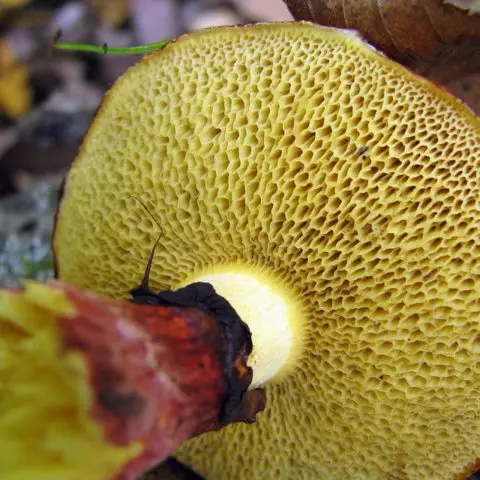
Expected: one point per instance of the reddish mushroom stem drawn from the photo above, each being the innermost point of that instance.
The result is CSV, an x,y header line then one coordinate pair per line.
x,y
159,375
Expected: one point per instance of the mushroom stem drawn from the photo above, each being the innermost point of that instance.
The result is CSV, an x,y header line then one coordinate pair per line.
x,y
117,384
270,312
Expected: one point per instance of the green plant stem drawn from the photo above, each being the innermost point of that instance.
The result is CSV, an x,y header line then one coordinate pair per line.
x,y
105,49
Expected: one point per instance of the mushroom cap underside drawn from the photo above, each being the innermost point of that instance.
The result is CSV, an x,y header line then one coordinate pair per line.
x,y
301,152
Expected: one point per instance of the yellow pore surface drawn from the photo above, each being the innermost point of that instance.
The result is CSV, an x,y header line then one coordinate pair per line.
x,y
301,151
46,432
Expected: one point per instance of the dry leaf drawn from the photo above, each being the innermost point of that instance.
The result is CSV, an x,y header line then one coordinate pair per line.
x,y
15,92
437,40
468,89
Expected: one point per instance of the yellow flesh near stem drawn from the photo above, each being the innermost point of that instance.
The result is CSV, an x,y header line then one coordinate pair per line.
x,y
300,151
272,315
46,432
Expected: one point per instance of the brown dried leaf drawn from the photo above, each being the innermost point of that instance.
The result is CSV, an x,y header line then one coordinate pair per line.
x,y
468,89
435,39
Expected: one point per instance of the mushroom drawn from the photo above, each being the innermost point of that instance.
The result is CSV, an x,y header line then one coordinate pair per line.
x,y
332,197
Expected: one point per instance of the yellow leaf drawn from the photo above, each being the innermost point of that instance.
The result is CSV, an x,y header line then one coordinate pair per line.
x,y
7,4
15,92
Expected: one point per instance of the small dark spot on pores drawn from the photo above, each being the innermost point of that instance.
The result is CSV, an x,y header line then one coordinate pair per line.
x,y
362,150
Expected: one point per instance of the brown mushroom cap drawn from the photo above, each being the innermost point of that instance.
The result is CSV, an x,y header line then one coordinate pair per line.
x,y
299,151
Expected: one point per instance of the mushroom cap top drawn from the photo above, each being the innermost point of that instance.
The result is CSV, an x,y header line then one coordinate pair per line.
x,y
301,151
